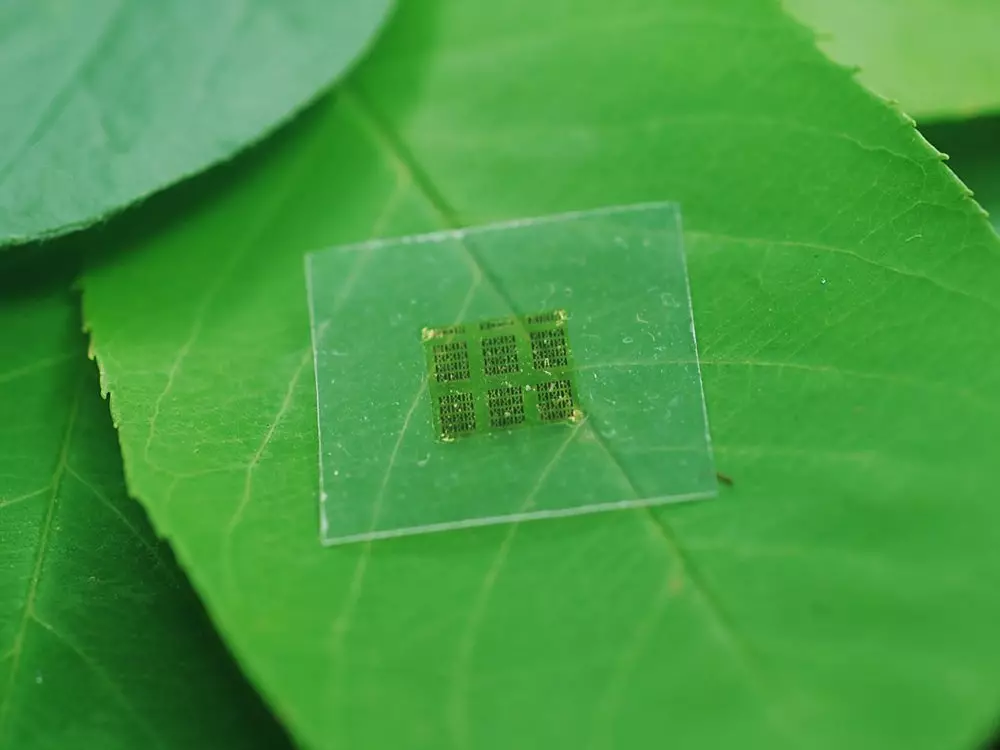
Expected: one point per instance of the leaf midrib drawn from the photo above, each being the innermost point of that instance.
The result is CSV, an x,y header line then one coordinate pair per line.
x,y
28,609
28,614
394,148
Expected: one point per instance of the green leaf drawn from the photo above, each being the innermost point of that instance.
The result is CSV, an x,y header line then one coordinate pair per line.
x,y
108,101
840,594
102,642
974,150
937,58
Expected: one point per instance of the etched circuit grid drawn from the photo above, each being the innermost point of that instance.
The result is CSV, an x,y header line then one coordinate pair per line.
x,y
500,374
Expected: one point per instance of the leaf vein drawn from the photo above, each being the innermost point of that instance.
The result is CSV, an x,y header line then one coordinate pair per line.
x,y
98,671
28,608
766,243
269,215
458,693
23,498
43,364
286,404
101,497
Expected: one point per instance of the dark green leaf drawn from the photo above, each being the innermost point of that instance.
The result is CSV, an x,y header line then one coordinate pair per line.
x,y
102,642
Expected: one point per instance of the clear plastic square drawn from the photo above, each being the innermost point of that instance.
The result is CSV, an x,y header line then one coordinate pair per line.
x,y
532,369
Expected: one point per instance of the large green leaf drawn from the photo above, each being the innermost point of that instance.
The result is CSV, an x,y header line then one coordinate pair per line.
x,y
841,594
102,642
937,58
106,101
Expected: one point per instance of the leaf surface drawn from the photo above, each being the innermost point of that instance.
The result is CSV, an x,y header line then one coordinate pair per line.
x,y
840,594
937,58
102,642
107,101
